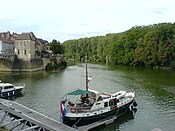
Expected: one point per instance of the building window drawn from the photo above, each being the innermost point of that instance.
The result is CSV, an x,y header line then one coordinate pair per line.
x,y
28,42
25,52
25,43
18,51
18,43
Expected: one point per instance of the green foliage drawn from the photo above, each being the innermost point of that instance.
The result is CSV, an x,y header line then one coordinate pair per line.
x,y
62,64
149,46
54,64
56,47
51,66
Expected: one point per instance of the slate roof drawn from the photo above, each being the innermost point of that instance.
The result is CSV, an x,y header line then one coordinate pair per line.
x,y
5,34
6,40
44,42
8,35
26,36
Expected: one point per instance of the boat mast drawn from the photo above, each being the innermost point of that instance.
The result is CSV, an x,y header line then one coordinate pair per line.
x,y
86,75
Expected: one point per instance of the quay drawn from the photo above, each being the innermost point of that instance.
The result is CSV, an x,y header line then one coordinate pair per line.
x,y
98,123
18,117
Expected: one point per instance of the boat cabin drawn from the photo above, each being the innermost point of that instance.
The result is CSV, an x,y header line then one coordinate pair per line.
x,y
92,100
6,87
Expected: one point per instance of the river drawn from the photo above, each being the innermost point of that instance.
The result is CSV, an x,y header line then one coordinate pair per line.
x,y
154,89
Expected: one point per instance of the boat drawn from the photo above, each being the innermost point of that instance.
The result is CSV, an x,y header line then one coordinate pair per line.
x,y
8,89
82,107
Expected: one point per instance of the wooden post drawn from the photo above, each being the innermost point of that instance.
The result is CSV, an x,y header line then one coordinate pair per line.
x,y
107,60
86,77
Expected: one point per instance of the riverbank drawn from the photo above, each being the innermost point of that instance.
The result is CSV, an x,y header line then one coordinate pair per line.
x,y
37,64
71,62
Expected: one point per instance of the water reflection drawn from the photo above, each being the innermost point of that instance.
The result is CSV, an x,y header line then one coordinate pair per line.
x,y
22,76
118,124
154,91
13,98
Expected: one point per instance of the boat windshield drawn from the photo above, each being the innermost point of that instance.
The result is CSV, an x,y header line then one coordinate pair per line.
x,y
8,87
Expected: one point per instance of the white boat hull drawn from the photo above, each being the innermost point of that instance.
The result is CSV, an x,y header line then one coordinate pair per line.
x,y
81,121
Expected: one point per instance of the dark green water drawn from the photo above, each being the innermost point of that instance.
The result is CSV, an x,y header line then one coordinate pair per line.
x,y
155,93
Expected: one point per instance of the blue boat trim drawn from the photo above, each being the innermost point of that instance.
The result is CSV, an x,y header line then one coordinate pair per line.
x,y
10,93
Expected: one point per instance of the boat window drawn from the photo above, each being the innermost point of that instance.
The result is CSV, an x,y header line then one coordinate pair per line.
x,y
98,103
8,87
99,98
111,102
115,102
106,104
93,95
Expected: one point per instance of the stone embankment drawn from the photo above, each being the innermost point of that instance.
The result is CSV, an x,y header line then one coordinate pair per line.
x,y
9,65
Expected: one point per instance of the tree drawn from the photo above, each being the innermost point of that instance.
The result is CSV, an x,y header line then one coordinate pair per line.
x,y
149,46
56,47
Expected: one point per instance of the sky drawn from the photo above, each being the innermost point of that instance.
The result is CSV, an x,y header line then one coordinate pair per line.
x,y
72,19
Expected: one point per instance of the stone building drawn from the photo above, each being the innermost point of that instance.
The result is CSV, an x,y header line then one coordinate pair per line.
x,y
27,46
6,47
7,35
46,51
24,52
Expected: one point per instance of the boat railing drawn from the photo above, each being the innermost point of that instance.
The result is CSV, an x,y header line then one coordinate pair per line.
x,y
19,84
82,109
74,109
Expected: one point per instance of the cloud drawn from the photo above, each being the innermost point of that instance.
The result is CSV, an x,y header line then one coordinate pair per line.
x,y
87,34
83,24
159,11
69,19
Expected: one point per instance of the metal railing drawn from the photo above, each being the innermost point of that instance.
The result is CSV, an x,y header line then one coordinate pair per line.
x,y
19,84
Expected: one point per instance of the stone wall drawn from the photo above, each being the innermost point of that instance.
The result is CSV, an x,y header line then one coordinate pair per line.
x,y
23,65
32,65
5,65
46,61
